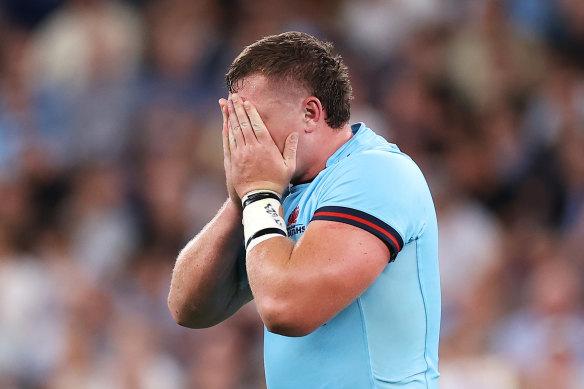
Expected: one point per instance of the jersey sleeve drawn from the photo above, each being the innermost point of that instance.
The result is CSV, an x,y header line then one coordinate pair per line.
x,y
377,191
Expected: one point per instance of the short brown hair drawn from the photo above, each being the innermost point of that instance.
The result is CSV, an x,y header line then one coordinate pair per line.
x,y
303,58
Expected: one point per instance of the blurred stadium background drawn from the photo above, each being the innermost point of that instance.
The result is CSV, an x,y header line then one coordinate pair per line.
x,y
110,160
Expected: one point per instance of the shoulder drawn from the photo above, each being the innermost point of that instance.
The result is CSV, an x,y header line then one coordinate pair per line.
x,y
384,184
382,157
379,166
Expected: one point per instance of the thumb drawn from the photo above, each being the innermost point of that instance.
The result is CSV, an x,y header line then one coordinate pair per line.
x,y
290,150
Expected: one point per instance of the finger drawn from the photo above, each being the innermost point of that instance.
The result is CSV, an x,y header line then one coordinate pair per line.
x,y
244,123
228,138
231,139
290,149
225,130
223,106
234,128
259,128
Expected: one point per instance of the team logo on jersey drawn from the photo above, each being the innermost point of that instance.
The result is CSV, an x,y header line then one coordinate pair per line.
x,y
292,227
293,216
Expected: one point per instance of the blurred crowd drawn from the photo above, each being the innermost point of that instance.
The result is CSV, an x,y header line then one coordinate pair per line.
x,y
110,161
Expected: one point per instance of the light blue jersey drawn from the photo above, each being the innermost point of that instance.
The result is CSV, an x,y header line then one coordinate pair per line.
x,y
388,337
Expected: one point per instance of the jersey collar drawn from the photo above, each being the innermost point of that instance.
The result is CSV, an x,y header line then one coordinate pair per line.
x,y
360,132
359,139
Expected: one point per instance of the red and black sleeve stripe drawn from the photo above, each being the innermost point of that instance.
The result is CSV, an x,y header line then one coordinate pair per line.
x,y
365,221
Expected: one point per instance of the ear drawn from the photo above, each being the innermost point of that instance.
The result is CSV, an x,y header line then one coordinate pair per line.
x,y
313,112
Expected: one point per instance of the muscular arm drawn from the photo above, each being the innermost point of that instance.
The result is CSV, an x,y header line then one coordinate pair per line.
x,y
206,287
298,288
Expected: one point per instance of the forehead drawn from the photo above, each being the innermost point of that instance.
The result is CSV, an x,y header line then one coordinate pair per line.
x,y
255,88
260,90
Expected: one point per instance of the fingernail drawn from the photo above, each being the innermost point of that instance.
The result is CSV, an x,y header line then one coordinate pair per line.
x,y
234,97
246,104
295,137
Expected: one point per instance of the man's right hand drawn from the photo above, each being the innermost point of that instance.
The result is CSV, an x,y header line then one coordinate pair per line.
x,y
227,155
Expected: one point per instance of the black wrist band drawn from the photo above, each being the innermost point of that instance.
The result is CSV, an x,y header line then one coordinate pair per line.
x,y
263,232
252,198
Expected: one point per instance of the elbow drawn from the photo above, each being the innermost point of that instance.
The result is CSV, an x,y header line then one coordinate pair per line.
x,y
178,312
184,315
284,319
180,318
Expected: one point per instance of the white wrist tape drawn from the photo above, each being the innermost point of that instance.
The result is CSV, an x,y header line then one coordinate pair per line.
x,y
261,217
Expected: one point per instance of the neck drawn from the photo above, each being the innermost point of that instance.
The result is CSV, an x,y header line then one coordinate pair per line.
x,y
331,140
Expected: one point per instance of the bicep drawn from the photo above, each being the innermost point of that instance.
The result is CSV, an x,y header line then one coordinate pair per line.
x,y
339,261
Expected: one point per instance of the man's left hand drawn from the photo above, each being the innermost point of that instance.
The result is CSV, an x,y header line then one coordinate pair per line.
x,y
256,161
